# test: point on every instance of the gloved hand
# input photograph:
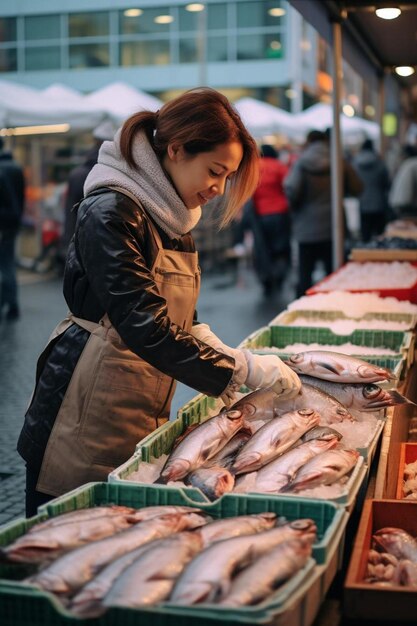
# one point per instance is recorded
(268, 370)
(203, 333)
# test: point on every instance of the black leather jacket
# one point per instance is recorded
(108, 271)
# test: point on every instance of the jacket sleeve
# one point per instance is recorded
(110, 243)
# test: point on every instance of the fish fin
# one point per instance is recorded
(161, 480)
(335, 369)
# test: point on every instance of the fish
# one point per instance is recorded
(207, 577)
(324, 469)
(330, 409)
(273, 439)
(200, 445)
(260, 579)
(337, 367)
(321, 432)
(213, 481)
(70, 572)
(236, 526)
(48, 539)
(151, 577)
(396, 541)
(271, 478)
(358, 396)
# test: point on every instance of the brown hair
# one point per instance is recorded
(199, 120)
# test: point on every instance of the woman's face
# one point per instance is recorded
(203, 176)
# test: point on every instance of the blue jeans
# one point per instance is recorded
(8, 269)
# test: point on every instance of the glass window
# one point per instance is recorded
(259, 47)
(88, 24)
(42, 27)
(145, 53)
(7, 29)
(188, 50)
(190, 20)
(216, 49)
(132, 23)
(8, 60)
(216, 16)
(89, 55)
(43, 58)
(259, 14)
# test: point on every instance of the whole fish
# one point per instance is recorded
(359, 396)
(213, 481)
(260, 579)
(324, 469)
(73, 570)
(321, 432)
(271, 478)
(200, 445)
(396, 541)
(330, 409)
(151, 577)
(273, 439)
(337, 367)
(207, 578)
(48, 539)
(236, 526)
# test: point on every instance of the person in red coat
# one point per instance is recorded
(271, 222)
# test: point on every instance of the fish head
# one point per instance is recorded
(308, 417)
(388, 540)
(305, 528)
(213, 481)
(373, 373)
(341, 414)
(327, 442)
(297, 362)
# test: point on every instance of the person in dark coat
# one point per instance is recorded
(107, 377)
(12, 200)
(373, 201)
(308, 189)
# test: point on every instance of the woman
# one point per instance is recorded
(131, 283)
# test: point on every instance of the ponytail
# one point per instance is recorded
(144, 120)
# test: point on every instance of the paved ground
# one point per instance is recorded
(231, 302)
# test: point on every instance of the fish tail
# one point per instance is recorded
(161, 480)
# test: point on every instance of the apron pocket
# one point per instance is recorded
(125, 399)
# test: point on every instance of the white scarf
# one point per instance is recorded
(148, 183)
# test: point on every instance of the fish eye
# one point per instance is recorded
(234, 415)
(371, 391)
(306, 412)
(297, 358)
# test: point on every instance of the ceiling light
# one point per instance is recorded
(276, 12)
(194, 7)
(348, 110)
(132, 12)
(388, 13)
(42, 129)
(163, 19)
(404, 70)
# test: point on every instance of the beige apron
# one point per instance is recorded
(115, 398)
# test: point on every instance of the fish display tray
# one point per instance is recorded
(296, 603)
(408, 454)
(291, 317)
(279, 337)
(401, 293)
(162, 440)
(390, 604)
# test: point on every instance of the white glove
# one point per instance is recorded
(203, 333)
(268, 370)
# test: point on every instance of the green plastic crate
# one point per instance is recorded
(279, 337)
(22, 605)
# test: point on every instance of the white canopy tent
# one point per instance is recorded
(119, 100)
(320, 116)
(263, 119)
